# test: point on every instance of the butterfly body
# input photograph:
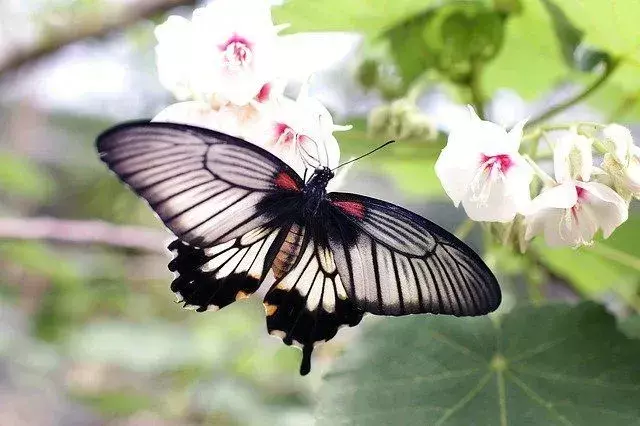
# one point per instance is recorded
(315, 192)
(241, 215)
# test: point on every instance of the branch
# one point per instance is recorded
(610, 68)
(84, 232)
(96, 25)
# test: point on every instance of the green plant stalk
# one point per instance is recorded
(475, 88)
(610, 68)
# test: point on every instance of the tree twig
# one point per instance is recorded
(84, 232)
(97, 25)
(610, 68)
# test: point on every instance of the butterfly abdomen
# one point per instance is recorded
(289, 251)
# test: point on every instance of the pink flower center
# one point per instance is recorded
(502, 162)
(491, 169)
(582, 195)
(264, 94)
(237, 52)
(285, 135)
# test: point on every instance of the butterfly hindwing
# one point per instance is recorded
(207, 187)
(394, 262)
(309, 303)
(212, 278)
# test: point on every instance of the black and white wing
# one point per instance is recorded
(309, 303)
(207, 187)
(395, 262)
(212, 278)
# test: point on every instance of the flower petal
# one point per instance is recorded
(498, 207)
(619, 141)
(563, 196)
(608, 208)
(518, 179)
(456, 171)
(572, 158)
(195, 113)
(515, 134)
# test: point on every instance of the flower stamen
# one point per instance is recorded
(492, 168)
(237, 53)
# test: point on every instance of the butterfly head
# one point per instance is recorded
(321, 177)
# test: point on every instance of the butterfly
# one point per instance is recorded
(240, 213)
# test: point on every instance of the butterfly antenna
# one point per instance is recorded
(363, 155)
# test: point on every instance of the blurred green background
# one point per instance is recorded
(89, 333)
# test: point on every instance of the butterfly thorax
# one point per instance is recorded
(315, 191)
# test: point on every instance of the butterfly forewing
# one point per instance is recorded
(395, 262)
(207, 187)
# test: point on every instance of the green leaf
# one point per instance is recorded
(617, 103)
(530, 61)
(631, 326)
(568, 35)
(589, 273)
(555, 365)
(409, 49)
(368, 16)
(609, 25)
(415, 178)
(409, 163)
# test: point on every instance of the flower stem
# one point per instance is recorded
(475, 88)
(463, 230)
(544, 177)
(610, 68)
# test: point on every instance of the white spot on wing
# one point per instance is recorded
(328, 297)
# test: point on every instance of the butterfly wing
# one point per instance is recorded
(395, 262)
(214, 277)
(207, 187)
(309, 303)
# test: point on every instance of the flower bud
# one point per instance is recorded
(622, 161)
(401, 120)
(573, 158)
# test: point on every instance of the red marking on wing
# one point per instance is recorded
(351, 208)
(284, 181)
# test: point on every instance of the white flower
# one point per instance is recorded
(622, 162)
(618, 141)
(572, 157)
(227, 53)
(229, 119)
(571, 212)
(300, 132)
(481, 167)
